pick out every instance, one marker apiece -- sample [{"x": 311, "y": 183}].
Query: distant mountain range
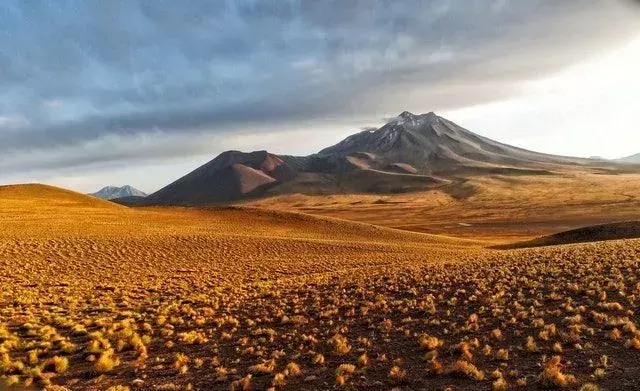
[
  {"x": 630, "y": 159},
  {"x": 113, "y": 192},
  {"x": 409, "y": 153}
]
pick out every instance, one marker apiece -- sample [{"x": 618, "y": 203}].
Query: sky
[{"x": 96, "y": 93}]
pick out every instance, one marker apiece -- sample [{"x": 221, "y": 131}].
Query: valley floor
[{"x": 496, "y": 209}]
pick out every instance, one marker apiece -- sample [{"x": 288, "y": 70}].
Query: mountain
[
  {"x": 429, "y": 142},
  {"x": 113, "y": 192},
  {"x": 230, "y": 176},
  {"x": 634, "y": 159},
  {"x": 409, "y": 153}
]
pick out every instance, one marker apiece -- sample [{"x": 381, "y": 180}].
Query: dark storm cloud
[{"x": 77, "y": 71}]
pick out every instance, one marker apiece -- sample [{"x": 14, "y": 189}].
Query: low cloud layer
[{"x": 119, "y": 81}]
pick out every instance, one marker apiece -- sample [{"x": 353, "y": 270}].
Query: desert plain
[{"x": 303, "y": 292}]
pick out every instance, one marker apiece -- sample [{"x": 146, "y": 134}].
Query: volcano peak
[{"x": 406, "y": 114}]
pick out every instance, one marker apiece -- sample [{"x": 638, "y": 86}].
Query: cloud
[
  {"x": 8, "y": 123},
  {"x": 171, "y": 73},
  {"x": 52, "y": 103},
  {"x": 152, "y": 159}
]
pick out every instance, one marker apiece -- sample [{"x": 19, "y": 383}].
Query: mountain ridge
[{"x": 634, "y": 159}]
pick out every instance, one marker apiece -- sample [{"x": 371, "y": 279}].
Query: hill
[
  {"x": 35, "y": 210},
  {"x": 113, "y": 192},
  {"x": 31, "y": 198},
  {"x": 410, "y": 153},
  {"x": 95, "y": 234},
  {"x": 596, "y": 233},
  {"x": 65, "y": 213}
]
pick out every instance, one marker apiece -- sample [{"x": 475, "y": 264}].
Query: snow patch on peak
[
  {"x": 409, "y": 119},
  {"x": 406, "y": 114}
]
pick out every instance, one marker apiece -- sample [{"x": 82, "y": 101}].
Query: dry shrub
[
  {"x": 343, "y": 373},
  {"x": 466, "y": 369},
  {"x": 106, "y": 362},
  {"x": 500, "y": 385},
  {"x": 339, "y": 344},
  {"x": 552, "y": 375},
  {"x": 397, "y": 375},
  {"x": 428, "y": 342},
  {"x": 243, "y": 384}
]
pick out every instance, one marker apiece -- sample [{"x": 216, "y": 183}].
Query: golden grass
[{"x": 97, "y": 296}]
